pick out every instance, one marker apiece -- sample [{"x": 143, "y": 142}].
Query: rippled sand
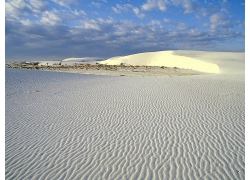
[{"x": 72, "y": 126}]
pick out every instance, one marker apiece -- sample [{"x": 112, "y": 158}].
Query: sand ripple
[{"x": 89, "y": 127}]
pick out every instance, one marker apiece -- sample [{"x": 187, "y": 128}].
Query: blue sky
[{"x": 58, "y": 29}]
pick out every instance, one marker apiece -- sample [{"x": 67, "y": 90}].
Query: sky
[{"x": 58, "y": 29}]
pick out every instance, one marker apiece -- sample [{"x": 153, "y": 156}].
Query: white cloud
[
  {"x": 188, "y": 5},
  {"x": 92, "y": 24},
  {"x": 195, "y": 32},
  {"x": 154, "y": 25},
  {"x": 65, "y": 3},
  {"x": 182, "y": 26},
  {"x": 154, "y": 22},
  {"x": 79, "y": 13},
  {"x": 51, "y": 17},
  {"x": 26, "y": 22},
  {"x": 138, "y": 13},
  {"x": 219, "y": 20},
  {"x": 167, "y": 20},
  {"x": 106, "y": 21},
  {"x": 215, "y": 20},
  {"x": 128, "y": 8},
  {"x": 155, "y": 4},
  {"x": 123, "y": 28},
  {"x": 15, "y": 9},
  {"x": 117, "y": 9},
  {"x": 38, "y": 5}
]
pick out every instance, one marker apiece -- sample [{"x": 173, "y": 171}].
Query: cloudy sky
[{"x": 58, "y": 29}]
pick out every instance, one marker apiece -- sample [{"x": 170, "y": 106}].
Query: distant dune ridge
[
  {"x": 203, "y": 61},
  {"x": 165, "y": 58},
  {"x": 85, "y": 59},
  {"x": 75, "y": 126}
]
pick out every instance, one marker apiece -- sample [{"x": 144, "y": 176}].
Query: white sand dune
[
  {"x": 165, "y": 58},
  {"x": 228, "y": 62},
  {"x": 74, "y": 126},
  {"x": 83, "y": 59},
  {"x": 70, "y": 61},
  {"x": 74, "y": 59},
  {"x": 203, "y": 61},
  {"x": 192, "y": 61},
  {"x": 208, "y": 62}
]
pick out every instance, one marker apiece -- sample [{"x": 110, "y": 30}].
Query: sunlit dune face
[{"x": 168, "y": 59}]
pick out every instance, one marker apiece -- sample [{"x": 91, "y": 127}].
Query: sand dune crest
[{"x": 165, "y": 58}]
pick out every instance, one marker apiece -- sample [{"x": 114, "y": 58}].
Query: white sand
[
  {"x": 72, "y": 126},
  {"x": 187, "y": 62},
  {"x": 165, "y": 58}
]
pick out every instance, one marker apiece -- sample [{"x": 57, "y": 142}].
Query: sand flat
[
  {"x": 79, "y": 126},
  {"x": 85, "y": 127}
]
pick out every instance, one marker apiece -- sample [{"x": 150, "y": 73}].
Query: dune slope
[{"x": 165, "y": 58}]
